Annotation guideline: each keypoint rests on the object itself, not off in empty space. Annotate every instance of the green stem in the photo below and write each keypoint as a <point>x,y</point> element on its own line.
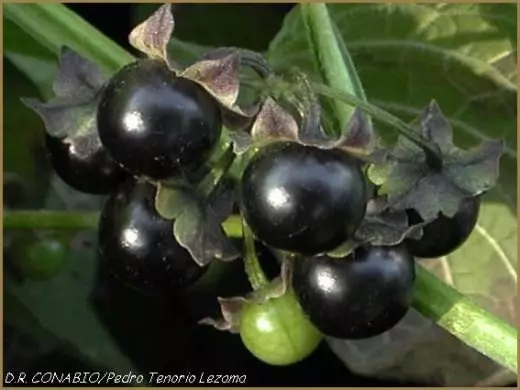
<point>49,219</point>
<point>465,320</point>
<point>77,220</point>
<point>432,151</point>
<point>252,266</point>
<point>218,171</point>
<point>306,103</point>
<point>252,59</point>
<point>433,298</point>
<point>47,24</point>
<point>279,86</point>
<point>328,56</point>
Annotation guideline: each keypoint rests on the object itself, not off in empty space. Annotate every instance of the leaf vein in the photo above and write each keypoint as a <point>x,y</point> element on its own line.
<point>446,270</point>
<point>465,59</point>
<point>508,263</point>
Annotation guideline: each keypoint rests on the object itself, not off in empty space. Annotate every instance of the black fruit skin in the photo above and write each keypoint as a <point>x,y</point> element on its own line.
<point>83,164</point>
<point>155,124</point>
<point>302,199</point>
<point>444,235</point>
<point>360,296</point>
<point>138,245</point>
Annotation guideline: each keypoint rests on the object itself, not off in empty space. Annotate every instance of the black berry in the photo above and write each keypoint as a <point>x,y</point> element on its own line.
<point>155,124</point>
<point>302,199</point>
<point>138,245</point>
<point>359,296</point>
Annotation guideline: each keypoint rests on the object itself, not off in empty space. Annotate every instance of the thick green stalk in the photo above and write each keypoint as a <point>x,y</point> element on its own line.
<point>76,220</point>
<point>49,219</point>
<point>331,57</point>
<point>54,25</point>
<point>465,320</point>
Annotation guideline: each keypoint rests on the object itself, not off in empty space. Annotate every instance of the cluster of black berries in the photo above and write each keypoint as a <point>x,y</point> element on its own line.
<point>151,126</point>
<point>297,198</point>
<point>308,201</point>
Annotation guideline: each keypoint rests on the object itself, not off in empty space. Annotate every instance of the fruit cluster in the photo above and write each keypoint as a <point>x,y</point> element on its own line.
<point>150,125</point>
<point>150,138</point>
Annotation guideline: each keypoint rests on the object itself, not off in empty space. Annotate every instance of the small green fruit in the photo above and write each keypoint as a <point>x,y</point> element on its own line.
<point>42,259</point>
<point>277,331</point>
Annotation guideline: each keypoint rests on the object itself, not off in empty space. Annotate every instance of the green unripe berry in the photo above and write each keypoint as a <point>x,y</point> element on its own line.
<point>277,331</point>
<point>40,259</point>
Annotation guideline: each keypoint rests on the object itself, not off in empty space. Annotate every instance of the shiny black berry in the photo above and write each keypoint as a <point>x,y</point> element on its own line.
<point>302,199</point>
<point>83,164</point>
<point>444,235</point>
<point>360,296</point>
<point>138,245</point>
<point>155,124</point>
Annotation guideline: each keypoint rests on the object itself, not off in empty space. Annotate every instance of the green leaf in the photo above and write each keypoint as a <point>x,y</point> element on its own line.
<point>413,183</point>
<point>20,318</point>
<point>72,111</point>
<point>453,53</point>
<point>198,227</point>
<point>385,227</point>
<point>170,201</point>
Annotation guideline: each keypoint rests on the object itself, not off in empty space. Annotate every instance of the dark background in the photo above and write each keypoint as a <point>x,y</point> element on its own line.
<point>194,22</point>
